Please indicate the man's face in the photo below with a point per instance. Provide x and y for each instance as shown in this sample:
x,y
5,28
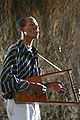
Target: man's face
x,y
31,28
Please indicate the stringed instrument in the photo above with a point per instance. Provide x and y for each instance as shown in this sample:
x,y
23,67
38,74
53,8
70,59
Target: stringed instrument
x,y
29,96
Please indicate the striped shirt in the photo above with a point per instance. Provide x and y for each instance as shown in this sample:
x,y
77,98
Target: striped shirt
x,y
20,63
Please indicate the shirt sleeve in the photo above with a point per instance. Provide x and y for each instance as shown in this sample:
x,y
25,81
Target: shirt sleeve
x,y
9,81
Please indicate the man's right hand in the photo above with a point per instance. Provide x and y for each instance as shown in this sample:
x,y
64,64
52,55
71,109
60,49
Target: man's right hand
x,y
37,88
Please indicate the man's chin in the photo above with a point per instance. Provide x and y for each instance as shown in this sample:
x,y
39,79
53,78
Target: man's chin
x,y
36,37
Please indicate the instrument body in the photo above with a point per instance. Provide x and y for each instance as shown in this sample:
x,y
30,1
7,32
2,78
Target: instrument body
x,y
30,96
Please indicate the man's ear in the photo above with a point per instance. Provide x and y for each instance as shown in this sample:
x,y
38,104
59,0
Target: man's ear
x,y
21,29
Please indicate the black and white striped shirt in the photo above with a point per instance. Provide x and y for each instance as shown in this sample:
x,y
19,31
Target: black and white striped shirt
x,y
19,63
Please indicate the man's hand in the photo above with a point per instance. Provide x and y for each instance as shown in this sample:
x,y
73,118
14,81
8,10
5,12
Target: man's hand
x,y
57,86
37,88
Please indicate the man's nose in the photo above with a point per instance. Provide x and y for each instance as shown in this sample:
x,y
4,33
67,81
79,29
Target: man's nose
x,y
36,26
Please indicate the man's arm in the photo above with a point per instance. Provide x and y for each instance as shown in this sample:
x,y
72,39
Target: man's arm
x,y
9,80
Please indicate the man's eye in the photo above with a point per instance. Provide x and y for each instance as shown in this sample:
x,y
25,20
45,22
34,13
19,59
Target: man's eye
x,y
32,23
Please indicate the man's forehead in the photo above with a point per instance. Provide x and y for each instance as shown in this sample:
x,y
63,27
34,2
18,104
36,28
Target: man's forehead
x,y
31,19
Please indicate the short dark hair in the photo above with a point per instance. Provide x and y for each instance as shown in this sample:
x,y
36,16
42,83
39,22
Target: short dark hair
x,y
20,23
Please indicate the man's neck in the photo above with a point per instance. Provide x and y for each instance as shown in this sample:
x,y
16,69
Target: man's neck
x,y
28,42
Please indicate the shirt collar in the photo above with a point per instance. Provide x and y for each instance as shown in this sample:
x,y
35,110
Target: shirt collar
x,y
25,49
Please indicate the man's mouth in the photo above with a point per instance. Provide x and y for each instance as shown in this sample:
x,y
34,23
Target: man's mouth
x,y
37,31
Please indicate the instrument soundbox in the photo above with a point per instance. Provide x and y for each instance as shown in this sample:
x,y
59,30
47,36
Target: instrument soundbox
x,y
29,95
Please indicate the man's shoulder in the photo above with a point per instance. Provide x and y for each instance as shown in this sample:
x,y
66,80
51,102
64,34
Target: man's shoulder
x,y
12,48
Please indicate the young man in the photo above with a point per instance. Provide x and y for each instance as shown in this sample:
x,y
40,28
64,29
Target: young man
x,y
21,62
